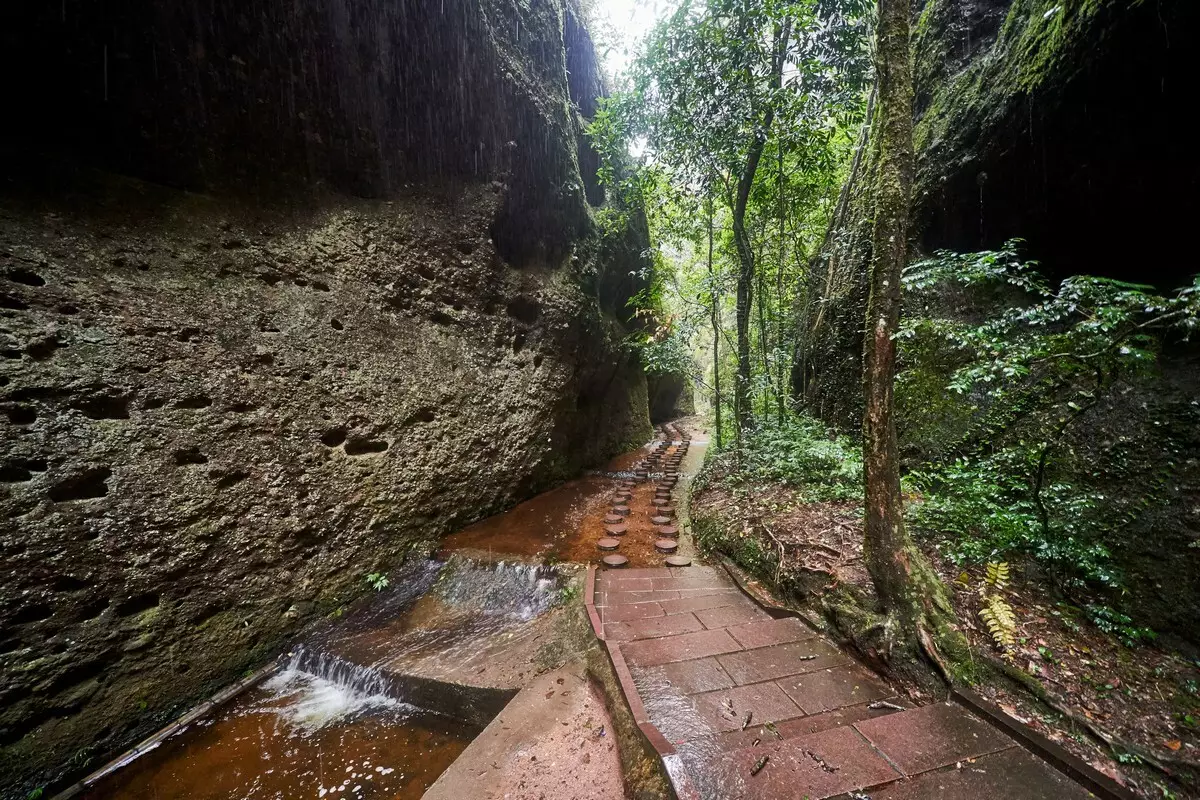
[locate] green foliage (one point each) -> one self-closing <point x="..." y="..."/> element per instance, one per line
<point x="377" y="581"/>
<point x="1027" y="373"/>
<point x="982" y="510"/>
<point x="799" y="451"/>
<point x="1118" y="624"/>
<point x="36" y="793"/>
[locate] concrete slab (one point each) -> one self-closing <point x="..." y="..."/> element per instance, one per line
<point x="829" y="689"/>
<point x="726" y="709"/>
<point x="769" y="632"/>
<point x="817" y="766"/>
<point x="652" y="628"/>
<point x="725" y="616"/>
<point x="933" y="736"/>
<point x="685" y="604"/>
<point x="547" y="738"/>
<point x="1010" y="773"/>
<point x="630" y="612"/>
<point x="781" y="660"/>
<point x="649" y="652"/>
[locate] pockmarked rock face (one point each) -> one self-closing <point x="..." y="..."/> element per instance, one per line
<point x="220" y="412"/>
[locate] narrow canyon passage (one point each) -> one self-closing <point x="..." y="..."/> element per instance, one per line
<point x="381" y="701"/>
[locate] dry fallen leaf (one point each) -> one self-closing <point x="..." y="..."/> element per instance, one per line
<point x="1173" y="744"/>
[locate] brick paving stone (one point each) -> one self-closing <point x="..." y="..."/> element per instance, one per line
<point x="773" y="631"/>
<point x="1012" y="773"/>
<point x="628" y="582"/>
<point x="816" y="767"/>
<point x="626" y="598"/>
<point x="632" y="611"/>
<point x="685" y="604"/>
<point x="803" y="726"/>
<point x="725" y="616"/>
<point x="691" y="582"/>
<point x="698" y="675"/>
<point x="708" y="591"/>
<point x="829" y="689"/>
<point x="766" y="702"/>
<point x="781" y="660"/>
<point x="652" y="628"/>
<point x="649" y="652"/>
<point x="933" y="736"/>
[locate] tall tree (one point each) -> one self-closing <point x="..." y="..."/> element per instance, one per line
<point x="908" y="588"/>
<point x="714" y="85"/>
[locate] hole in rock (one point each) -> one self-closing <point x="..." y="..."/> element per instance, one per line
<point x="362" y="447"/>
<point x="93" y="608"/>
<point x="136" y="604"/>
<point x="191" y="455"/>
<point x="68" y="309"/>
<point x="270" y="278"/>
<point x="8" y="352"/>
<point x="441" y="318"/>
<point x="25" y="276"/>
<point x="153" y="403"/>
<point x="12" y="303"/>
<point x="300" y="282"/>
<point x="11" y="473"/>
<point x="320" y="286"/>
<point x="69" y="583"/>
<point x="424" y="415"/>
<point x="525" y="310"/>
<point x="241" y="408"/>
<point x="537" y="361"/>
<point x="518" y="343"/>
<point x="231" y="479"/>
<point x="337" y="324"/>
<point x="194" y="402"/>
<point x="33" y="612"/>
<point x="188" y="334"/>
<point x="104" y="407"/>
<point x="333" y="437"/>
<point x="21" y="415"/>
<point x="87" y="485"/>
<point x="41" y="350"/>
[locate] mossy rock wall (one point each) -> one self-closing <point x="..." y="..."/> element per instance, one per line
<point x="1057" y="122"/>
<point x="304" y="334"/>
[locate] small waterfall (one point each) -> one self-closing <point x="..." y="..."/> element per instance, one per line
<point x="318" y="689"/>
<point x="507" y="589"/>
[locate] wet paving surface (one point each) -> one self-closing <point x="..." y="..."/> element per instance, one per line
<point x="745" y="705"/>
<point x="643" y="488"/>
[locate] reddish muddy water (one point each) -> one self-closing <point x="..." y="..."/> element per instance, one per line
<point x="298" y="736"/>
<point x="565" y="523"/>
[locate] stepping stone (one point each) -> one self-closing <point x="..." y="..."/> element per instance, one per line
<point x="613" y="519"/>
<point x="666" y="545"/>
<point x="622" y="497"/>
<point x="608" y="544"/>
<point x="677" y="561"/>
<point x="641" y="473"/>
<point x="661" y="501"/>
<point x="669" y="531"/>
<point x="615" y="530"/>
<point x="661" y="520"/>
<point x="615" y="561"/>
<point x="621" y="510"/>
<point x="665" y="510"/>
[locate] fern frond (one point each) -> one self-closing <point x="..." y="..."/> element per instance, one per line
<point x="997" y="575"/>
<point x="1001" y="621"/>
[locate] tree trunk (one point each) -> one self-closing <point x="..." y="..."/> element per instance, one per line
<point x="909" y="590"/>
<point x="741" y="389"/>
<point x="716" y="325"/>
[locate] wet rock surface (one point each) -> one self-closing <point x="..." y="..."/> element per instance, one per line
<point x="216" y="423"/>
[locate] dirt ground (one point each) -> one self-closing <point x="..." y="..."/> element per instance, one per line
<point x="1136" y="709"/>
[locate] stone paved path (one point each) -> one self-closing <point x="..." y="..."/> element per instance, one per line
<point x="717" y="684"/>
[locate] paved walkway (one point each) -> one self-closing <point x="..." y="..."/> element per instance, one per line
<point x="742" y="705"/>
